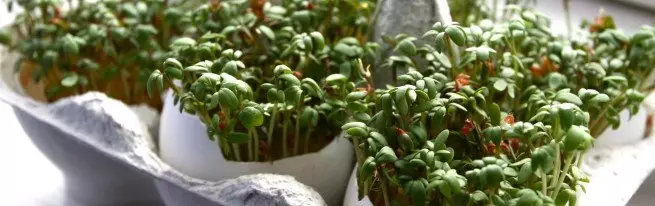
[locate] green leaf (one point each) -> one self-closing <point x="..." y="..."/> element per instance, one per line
<point x="70" y="80"/>
<point x="492" y="175"/>
<point x="70" y="46"/>
<point x="443" y="59"/>
<point x="336" y="79"/>
<point x="5" y="37"/>
<point x="309" y="117"/>
<point x="619" y="80"/>
<point x="227" y="98"/>
<point x="49" y="59"/>
<point x="556" y="80"/>
<point x="353" y="124"/>
<point x="441" y="138"/>
<point x="576" y="138"/>
<point x="312" y="87"/>
<point x="174" y="73"/>
<point x="290" y="78"/>
<point x="565" y="196"/>
<point x="529" y="16"/>
<point x="386" y="155"/>
<point x="456" y="34"/>
<point x="302" y="16"/>
<point x="458" y="106"/>
<point x="542" y="157"/>
<point x="356" y="95"/>
<point x="345" y="50"/>
<point x="445" y="189"/>
<point x="431" y="85"/>
<point x="407" y="47"/>
<point x="566" y="116"/>
<point x="183" y="42"/>
<point x="357" y="131"/>
<point x="568" y="97"/>
<point x="238" y="138"/>
<point x="493" y="134"/>
<point x="155" y="78"/>
<point x="508" y="171"/>
<point x="266" y="32"/>
<point x="318" y="40"/>
<point x="498" y="201"/>
<point x="529" y="198"/>
<point x="479" y="196"/>
<point x="200" y="67"/>
<point x="293" y="95"/>
<point x="426" y="106"/>
<point x="367" y="168"/>
<point x="357" y="107"/>
<point x="640" y="36"/>
<point x="494" y="114"/>
<point x="416" y="191"/>
<point x="500" y="85"/>
<point x="402" y="106"/>
<point x="230" y="68"/>
<point x="516" y="25"/>
<point x="525" y="173"/>
<point x="387" y="103"/>
<point x="251" y="117"/>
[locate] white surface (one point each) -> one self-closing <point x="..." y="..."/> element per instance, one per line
<point x="184" y="144"/>
<point x="617" y="173"/>
<point x="32" y="179"/>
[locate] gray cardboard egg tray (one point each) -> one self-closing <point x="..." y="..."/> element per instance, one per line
<point x="108" y="156"/>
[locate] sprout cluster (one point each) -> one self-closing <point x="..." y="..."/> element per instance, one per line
<point x="495" y="113"/>
<point x="270" y="81"/>
<point x="109" y="46"/>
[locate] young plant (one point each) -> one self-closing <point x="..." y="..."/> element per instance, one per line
<point x="108" y="46"/>
<point x="263" y="80"/>
<point x="506" y="123"/>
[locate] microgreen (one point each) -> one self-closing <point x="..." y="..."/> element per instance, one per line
<point x="270" y="81"/>
<point x="495" y="113"/>
<point x="108" y="46"/>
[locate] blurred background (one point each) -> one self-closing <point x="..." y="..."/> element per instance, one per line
<point x="28" y="178"/>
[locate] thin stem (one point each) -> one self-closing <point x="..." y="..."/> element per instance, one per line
<point x="557" y="165"/>
<point x="600" y="115"/>
<point x="544" y="181"/>
<point x="385" y="188"/>
<point x="307" y="133"/>
<point x="580" y="159"/>
<point x="227" y="148"/>
<point x="512" y="50"/>
<point x="567" y="165"/>
<point x="256" y="135"/>
<point x="394" y="74"/>
<point x="250" y="143"/>
<point x="285" y="152"/>
<point x="296" y="137"/>
<point x="511" y="151"/>
<point x="237" y="152"/>
<point x="357" y="151"/>
<point x="271" y="125"/>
